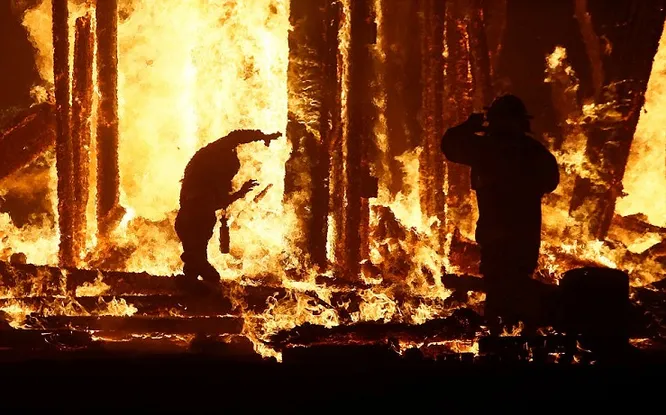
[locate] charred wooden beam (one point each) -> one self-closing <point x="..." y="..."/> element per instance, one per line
<point x="494" y="15"/>
<point x="314" y="112"/>
<point x="626" y="71"/>
<point x="166" y="325"/>
<point x="357" y="140"/>
<point x="460" y="325"/>
<point x="400" y="34"/>
<point x="480" y="54"/>
<point x="82" y="102"/>
<point x="26" y="137"/>
<point x="108" y="179"/>
<point x="146" y="305"/>
<point x="458" y="104"/>
<point x="432" y="163"/>
<point x="64" y="161"/>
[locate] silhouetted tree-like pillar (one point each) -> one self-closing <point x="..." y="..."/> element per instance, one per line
<point x="64" y="162"/>
<point x="314" y="112"/>
<point x="458" y="105"/>
<point x="480" y="63"/>
<point x="82" y="102"/>
<point x="352" y="241"/>
<point x="402" y="37"/>
<point x="108" y="179"/>
<point x="495" y="18"/>
<point x="432" y="163"/>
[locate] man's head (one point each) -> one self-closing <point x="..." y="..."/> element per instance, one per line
<point x="508" y="115"/>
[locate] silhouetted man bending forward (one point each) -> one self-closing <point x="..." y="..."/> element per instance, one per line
<point x="511" y="172"/>
<point x="206" y="189"/>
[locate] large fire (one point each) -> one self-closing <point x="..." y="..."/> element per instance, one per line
<point x="192" y="71"/>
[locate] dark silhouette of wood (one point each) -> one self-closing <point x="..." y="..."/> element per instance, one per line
<point x="432" y="163"/>
<point x="480" y="56"/>
<point x="27" y="136"/>
<point x="495" y="17"/>
<point x="352" y="242"/>
<point x="626" y="72"/>
<point x="82" y="102"/>
<point x="108" y="179"/>
<point x="314" y="101"/>
<point x="64" y="161"/>
<point x="402" y="78"/>
<point x="458" y="105"/>
<point x="166" y="325"/>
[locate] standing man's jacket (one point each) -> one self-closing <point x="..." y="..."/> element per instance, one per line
<point x="510" y="176"/>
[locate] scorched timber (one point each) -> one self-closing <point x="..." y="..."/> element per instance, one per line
<point x="166" y="325"/>
<point x="314" y="115"/>
<point x="146" y="305"/>
<point x="82" y="102"/>
<point x="463" y="324"/>
<point x="353" y="246"/>
<point x="402" y="76"/>
<point x="432" y="163"/>
<point x="108" y="179"/>
<point x="64" y="150"/>
<point x="458" y="105"/>
<point x="26" y="137"/>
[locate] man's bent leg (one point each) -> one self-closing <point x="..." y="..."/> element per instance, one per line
<point x="195" y="228"/>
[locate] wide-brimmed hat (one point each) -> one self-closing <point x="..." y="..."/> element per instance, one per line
<point x="508" y="105"/>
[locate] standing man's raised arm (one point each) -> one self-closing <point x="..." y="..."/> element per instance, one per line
<point x="460" y="143"/>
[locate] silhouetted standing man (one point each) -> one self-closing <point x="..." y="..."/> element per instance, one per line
<point x="206" y="189"/>
<point x="511" y="172"/>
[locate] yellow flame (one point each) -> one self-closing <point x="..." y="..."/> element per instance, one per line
<point x="645" y="178"/>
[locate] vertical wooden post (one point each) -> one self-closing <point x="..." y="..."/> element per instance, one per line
<point x="82" y="98"/>
<point x="313" y="111"/>
<point x="480" y="56"/>
<point x="359" y="135"/>
<point x="402" y="75"/>
<point x="108" y="180"/>
<point x="458" y="106"/>
<point x="432" y="162"/>
<point x="64" y="163"/>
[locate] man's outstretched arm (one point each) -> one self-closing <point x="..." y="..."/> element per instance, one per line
<point x="239" y="137"/>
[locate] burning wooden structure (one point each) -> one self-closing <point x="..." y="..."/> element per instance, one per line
<point x="361" y="195"/>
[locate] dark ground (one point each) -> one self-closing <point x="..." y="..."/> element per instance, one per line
<point x="190" y="381"/>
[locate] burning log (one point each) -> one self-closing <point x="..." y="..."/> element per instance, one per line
<point x="458" y="105"/>
<point x="64" y="161"/>
<point x="432" y="162"/>
<point x="26" y="137"/>
<point x="352" y="245"/>
<point x="462" y="324"/>
<point x="480" y="56"/>
<point x="145" y="305"/>
<point x="626" y="71"/>
<point x="82" y="102"/>
<point x="402" y="76"/>
<point x="166" y="325"/>
<point x="494" y="15"/>
<point x="313" y="48"/>
<point x="108" y="180"/>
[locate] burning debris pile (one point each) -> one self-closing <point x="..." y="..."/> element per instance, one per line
<point x="362" y="223"/>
